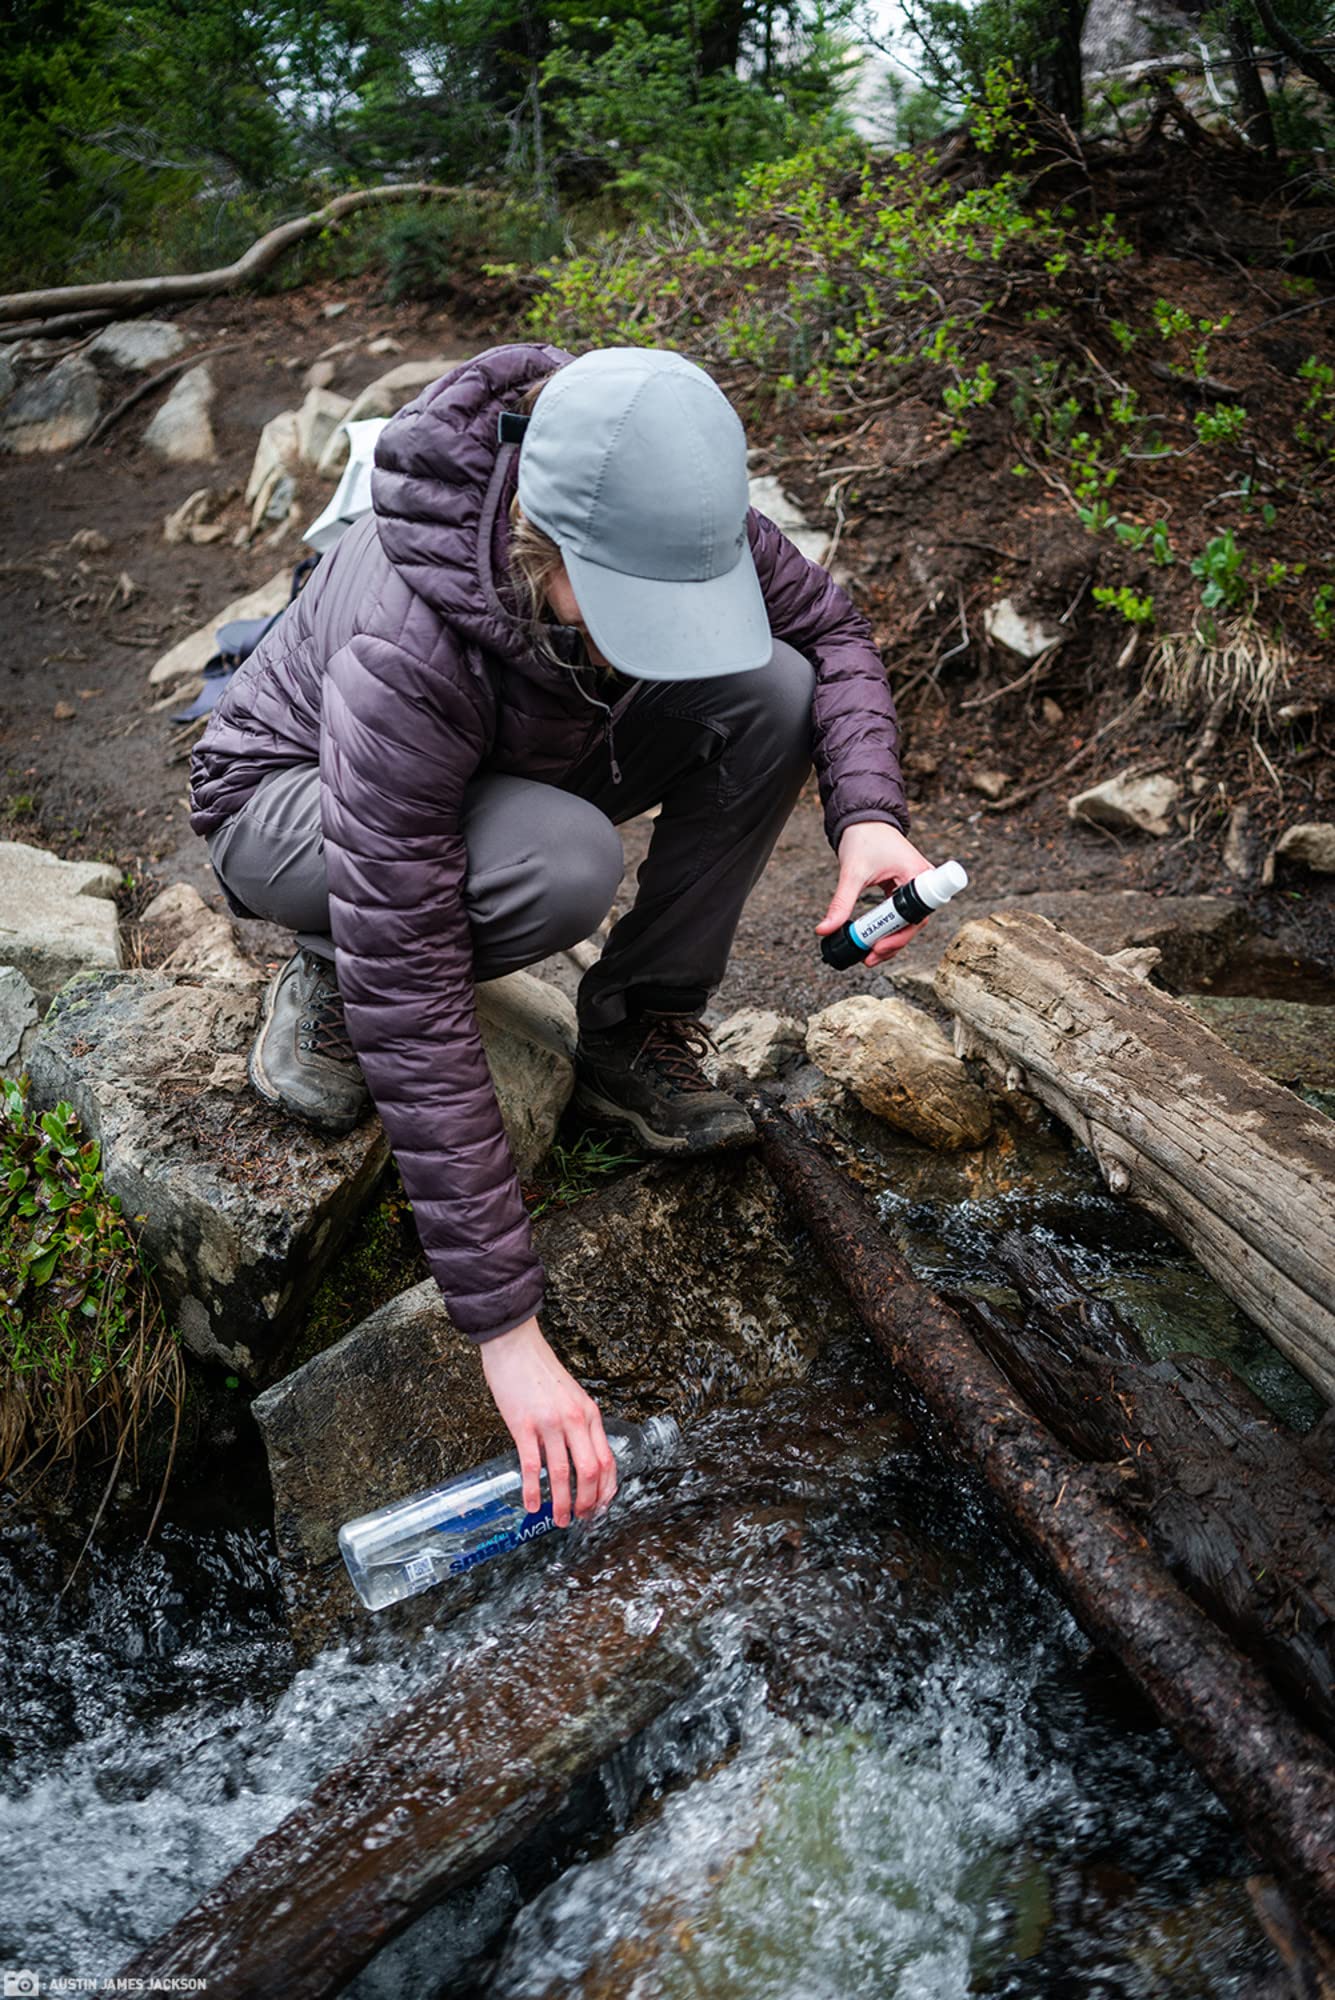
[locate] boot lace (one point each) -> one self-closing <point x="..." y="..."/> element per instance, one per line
<point x="324" y="1030"/>
<point x="674" y="1048"/>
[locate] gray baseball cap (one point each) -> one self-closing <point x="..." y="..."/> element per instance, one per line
<point x="634" y="462"/>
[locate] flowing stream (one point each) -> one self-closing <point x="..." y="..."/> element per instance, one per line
<point x="924" y="1785"/>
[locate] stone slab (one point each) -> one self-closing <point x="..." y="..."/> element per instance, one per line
<point x="19" y="1014"/>
<point x="138" y="343"/>
<point x="55" y="411"/>
<point x="243" y="1207"/>
<point x="56" y="917"/>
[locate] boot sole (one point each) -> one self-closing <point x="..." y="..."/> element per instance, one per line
<point x="589" y="1099"/>
<point x="261" y="1085"/>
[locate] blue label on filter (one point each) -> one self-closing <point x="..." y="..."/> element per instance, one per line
<point x="528" y="1530"/>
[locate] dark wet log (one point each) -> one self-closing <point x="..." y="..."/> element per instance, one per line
<point x="1275" y="1776"/>
<point x="1220" y="1487"/>
<point x="509" y="1739"/>
<point x="1237" y="1167"/>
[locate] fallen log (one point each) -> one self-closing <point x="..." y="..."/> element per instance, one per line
<point x="1236" y="1166"/>
<point x="1274" y="1776"/>
<point x="1219" y="1486"/>
<point x="129" y="294"/>
<point x="506" y="1741"/>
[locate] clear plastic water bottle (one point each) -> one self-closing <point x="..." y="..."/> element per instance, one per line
<point x="450" y="1529"/>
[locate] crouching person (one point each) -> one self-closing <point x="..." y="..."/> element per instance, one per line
<point x="559" y="612"/>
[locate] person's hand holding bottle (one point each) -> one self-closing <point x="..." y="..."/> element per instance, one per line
<point x="552" y="1421"/>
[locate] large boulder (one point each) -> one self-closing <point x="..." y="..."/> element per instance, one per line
<point x="681" y="1285"/>
<point x="56" y="917"/>
<point x="54" y="411"/>
<point x="19" y="1014"/>
<point x="529" y="1033"/>
<point x="1195" y="935"/>
<point x="181" y="430"/>
<point x="900" y="1067"/>
<point x="137" y="344"/>
<point x="243" y="1207"/>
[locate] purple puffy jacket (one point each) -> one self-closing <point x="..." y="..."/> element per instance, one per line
<point x="401" y="670"/>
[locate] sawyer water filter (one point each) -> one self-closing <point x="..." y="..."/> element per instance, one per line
<point x="911" y="902"/>
<point x="449" y="1530"/>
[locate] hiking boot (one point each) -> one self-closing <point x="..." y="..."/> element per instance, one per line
<point x="647" y="1074"/>
<point x="302" y="1060"/>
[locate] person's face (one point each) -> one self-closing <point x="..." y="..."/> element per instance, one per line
<point x="565" y="608"/>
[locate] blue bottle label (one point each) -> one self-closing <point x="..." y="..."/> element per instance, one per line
<point x="527" y="1530"/>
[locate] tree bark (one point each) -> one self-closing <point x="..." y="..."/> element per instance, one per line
<point x="1237" y="1167"/>
<point x="1274" y="1776"/>
<point x="1309" y="62"/>
<point x="1257" y="123"/>
<point x="1219" y="1487"/>
<point x="130" y="294"/>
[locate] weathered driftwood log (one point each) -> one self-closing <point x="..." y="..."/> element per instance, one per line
<point x="483" y="1759"/>
<point x="128" y="294"/>
<point x="1219" y="1486"/>
<point x="1274" y="1775"/>
<point x="1237" y="1167"/>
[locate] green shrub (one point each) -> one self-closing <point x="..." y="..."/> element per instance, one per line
<point x="86" y="1353"/>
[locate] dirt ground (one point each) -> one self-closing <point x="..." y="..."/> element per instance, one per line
<point x="89" y="768"/>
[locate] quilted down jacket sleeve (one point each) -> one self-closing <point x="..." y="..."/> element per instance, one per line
<point x="400" y="738"/>
<point x="856" y="746"/>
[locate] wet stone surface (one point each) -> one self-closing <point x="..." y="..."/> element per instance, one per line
<point x="679" y="1288"/>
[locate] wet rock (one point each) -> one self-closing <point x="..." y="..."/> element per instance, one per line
<point x="190" y="655"/>
<point x="54" y="411"/>
<point x="243" y="1207"/>
<point x="528" y="1032"/>
<point x="19" y="1014"/>
<point x="181" y="431"/>
<point x="900" y="1067"/>
<point x="1196" y="935"/>
<point x="1019" y="632"/>
<point x="138" y="344"/>
<point x="56" y="917"/>
<point x="1311" y="845"/>
<point x="680" y="1285"/>
<point x="1284" y="1039"/>
<point x="317" y="420"/>
<point x="382" y="398"/>
<point x="759" y="1044"/>
<point x="1128" y="804"/>
<point x="189" y="940"/>
<point x="278" y="451"/>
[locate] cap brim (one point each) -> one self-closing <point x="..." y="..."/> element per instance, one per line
<point x="656" y="630"/>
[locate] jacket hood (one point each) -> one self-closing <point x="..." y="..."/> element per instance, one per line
<point x="442" y="486"/>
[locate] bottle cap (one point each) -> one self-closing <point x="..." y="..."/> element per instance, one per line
<point x="936" y="886"/>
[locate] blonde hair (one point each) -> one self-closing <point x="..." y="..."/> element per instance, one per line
<point x="534" y="557"/>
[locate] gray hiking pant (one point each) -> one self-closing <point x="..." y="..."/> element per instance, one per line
<point x="724" y="758"/>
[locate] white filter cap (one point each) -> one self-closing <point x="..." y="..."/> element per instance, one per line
<point x="936" y="886"/>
